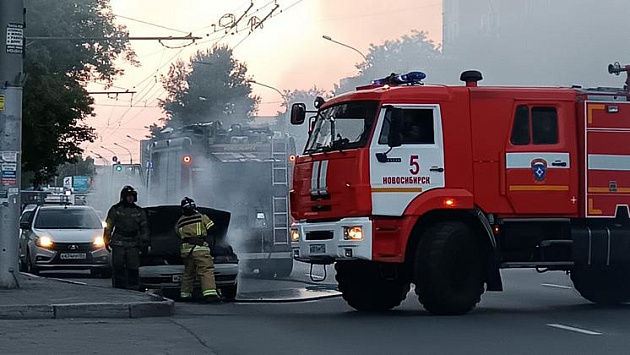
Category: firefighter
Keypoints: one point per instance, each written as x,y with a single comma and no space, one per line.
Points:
125,235
194,227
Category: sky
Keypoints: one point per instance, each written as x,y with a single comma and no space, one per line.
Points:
287,53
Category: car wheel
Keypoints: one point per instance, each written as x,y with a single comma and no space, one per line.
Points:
22,265
229,292
30,268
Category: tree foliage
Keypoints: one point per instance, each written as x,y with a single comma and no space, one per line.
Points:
409,53
56,103
299,133
82,167
211,86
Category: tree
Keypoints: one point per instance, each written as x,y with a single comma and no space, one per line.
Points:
409,53
300,133
82,167
56,103
212,86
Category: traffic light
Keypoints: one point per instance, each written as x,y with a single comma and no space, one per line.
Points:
187,159
118,168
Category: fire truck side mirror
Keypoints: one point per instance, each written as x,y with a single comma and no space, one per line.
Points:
394,137
298,113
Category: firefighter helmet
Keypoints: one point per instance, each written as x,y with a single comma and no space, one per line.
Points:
188,206
128,190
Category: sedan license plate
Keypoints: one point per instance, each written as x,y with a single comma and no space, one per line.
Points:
176,278
318,248
72,256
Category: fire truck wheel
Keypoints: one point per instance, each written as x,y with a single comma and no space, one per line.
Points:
448,269
365,288
603,286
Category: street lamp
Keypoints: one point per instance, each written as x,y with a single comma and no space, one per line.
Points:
345,45
113,153
284,98
100,157
133,139
128,151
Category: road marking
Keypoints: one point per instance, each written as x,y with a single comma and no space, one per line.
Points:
578,330
557,286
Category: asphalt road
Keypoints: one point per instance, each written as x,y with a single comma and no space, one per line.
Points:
299,279
538,313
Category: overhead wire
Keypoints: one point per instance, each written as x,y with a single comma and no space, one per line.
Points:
151,24
148,89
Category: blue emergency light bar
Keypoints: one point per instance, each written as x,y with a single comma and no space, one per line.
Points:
414,77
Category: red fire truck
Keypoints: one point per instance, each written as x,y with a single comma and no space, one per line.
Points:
442,186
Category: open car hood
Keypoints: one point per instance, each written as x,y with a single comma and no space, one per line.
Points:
165,243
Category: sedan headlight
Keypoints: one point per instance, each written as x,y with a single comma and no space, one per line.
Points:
99,241
295,235
352,233
44,242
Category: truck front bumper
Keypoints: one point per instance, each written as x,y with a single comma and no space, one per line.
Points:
327,242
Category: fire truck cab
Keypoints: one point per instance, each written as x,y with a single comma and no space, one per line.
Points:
441,186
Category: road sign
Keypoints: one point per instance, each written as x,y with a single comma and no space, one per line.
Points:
15,38
67,182
80,183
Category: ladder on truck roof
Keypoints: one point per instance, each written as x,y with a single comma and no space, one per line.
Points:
280,177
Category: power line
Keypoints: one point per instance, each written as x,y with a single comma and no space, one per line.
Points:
151,24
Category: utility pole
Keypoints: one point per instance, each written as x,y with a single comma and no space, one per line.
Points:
11,82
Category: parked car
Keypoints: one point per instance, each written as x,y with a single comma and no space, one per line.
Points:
162,267
62,237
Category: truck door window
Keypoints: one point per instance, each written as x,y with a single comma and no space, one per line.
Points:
545,125
520,130
417,127
543,129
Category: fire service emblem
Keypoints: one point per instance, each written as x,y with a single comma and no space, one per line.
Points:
539,168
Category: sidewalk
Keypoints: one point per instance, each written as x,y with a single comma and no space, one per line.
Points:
43,298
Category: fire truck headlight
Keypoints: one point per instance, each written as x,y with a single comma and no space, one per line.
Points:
295,235
353,233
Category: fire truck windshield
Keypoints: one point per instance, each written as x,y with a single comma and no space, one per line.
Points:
343,126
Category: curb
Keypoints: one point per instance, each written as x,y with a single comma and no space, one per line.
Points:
159,307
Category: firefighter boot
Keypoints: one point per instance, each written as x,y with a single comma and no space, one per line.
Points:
211,296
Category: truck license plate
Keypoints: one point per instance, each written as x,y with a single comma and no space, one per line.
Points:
318,248
72,256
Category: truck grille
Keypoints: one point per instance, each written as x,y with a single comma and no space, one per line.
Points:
319,235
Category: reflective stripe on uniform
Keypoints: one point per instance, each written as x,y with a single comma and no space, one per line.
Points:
185,295
209,225
210,293
186,249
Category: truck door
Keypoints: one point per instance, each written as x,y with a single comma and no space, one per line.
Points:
540,160
411,169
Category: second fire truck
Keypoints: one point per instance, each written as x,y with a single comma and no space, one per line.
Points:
242,169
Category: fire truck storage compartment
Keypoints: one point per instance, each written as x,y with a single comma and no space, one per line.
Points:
607,157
